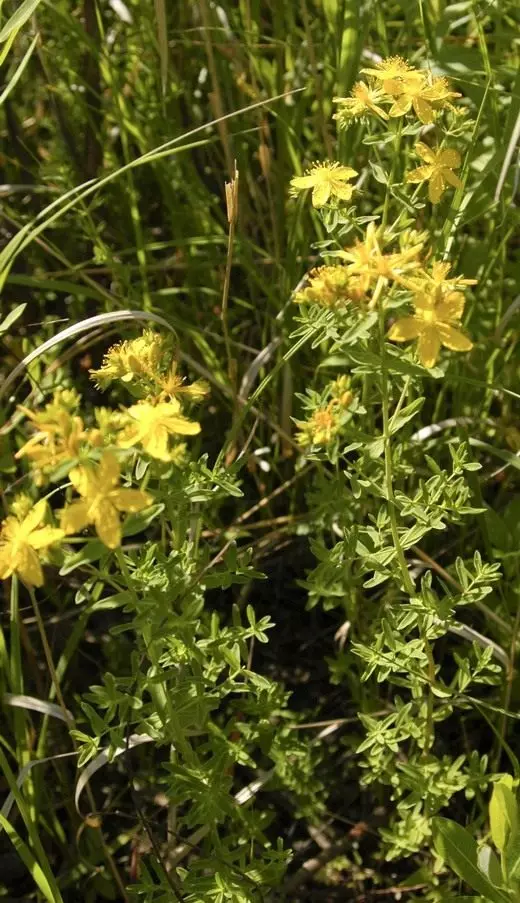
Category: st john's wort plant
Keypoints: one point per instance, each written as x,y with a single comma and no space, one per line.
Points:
386,308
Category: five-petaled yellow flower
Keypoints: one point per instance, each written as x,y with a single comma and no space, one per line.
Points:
327,180
434,323
152,425
363,99
438,171
421,93
102,500
20,542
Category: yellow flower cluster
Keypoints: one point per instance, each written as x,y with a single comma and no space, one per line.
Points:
326,422
436,297
62,444
393,82
157,417
332,287
59,435
131,360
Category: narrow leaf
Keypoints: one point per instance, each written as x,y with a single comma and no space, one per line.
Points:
18,19
459,850
12,317
28,859
13,81
503,815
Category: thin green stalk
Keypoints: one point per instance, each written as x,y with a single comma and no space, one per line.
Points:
396,157
17,684
407,581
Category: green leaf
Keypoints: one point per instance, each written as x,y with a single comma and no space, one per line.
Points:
93,550
397,422
503,815
136,523
13,81
11,317
489,865
18,19
37,874
459,850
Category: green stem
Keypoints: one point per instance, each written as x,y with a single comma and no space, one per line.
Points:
407,581
395,162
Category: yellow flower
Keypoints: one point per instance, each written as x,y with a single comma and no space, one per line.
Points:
367,261
326,180
141,357
320,429
330,286
102,500
438,171
20,542
437,314
173,385
152,425
325,423
437,280
421,93
389,70
57,440
363,100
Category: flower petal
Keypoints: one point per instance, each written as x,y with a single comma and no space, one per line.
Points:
6,562
423,110
300,182
344,172
436,187
342,191
405,329
424,301
425,152
82,480
320,194
45,536
451,307
107,523
400,106
451,178
428,347
75,517
450,158
108,472
130,499
156,443
453,339
27,565
33,519
421,174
